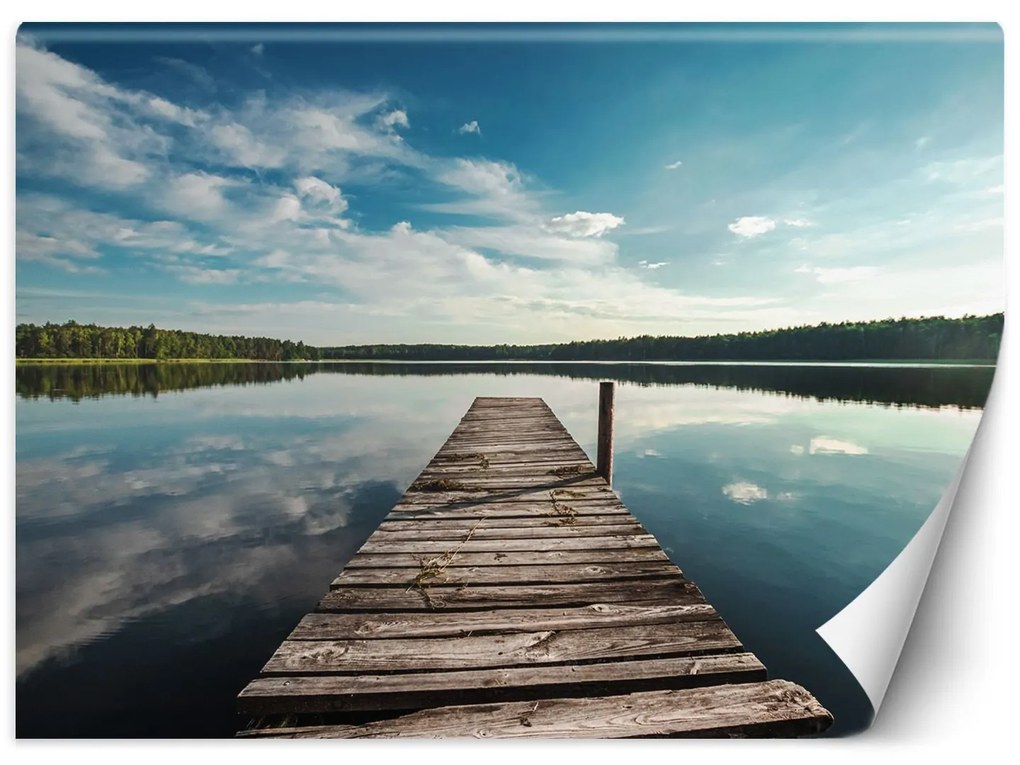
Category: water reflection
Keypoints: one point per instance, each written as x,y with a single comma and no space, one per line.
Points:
914,385
167,543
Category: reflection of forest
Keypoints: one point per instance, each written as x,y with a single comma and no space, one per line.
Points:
965,387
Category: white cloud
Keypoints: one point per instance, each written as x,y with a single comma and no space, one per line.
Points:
797,449
394,119
745,493
584,224
652,266
921,142
827,445
241,148
174,113
495,189
751,226
321,198
470,127
198,195
674,165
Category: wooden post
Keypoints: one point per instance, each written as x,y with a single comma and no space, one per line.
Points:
605,444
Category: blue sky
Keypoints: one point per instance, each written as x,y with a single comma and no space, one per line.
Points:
368,184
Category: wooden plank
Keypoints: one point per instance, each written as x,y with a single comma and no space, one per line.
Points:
506,575
671,591
461,623
303,657
492,494
460,525
347,693
386,544
597,504
501,511
534,531
533,471
770,708
527,558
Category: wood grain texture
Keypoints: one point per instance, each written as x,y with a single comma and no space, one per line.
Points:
771,708
470,576
335,626
511,593
387,544
673,590
345,693
318,657
527,558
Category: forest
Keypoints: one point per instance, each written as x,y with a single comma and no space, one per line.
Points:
88,341
930,338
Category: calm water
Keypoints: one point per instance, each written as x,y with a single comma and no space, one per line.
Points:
175,522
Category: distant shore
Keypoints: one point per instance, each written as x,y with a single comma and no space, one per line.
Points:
784,362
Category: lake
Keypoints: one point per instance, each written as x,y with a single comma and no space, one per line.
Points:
174,522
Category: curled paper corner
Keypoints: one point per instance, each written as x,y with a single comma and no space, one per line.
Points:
868,635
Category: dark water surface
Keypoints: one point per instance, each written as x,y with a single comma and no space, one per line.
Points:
174,522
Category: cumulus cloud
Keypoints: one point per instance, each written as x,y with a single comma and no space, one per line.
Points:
470,127
751,226
674,165
394,119
652,266
318,196
584,224
197,195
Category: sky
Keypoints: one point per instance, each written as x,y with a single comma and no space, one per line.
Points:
362,184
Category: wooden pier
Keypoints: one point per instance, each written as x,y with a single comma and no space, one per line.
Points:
509,593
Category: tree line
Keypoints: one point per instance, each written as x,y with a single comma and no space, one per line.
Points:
929,338
89,341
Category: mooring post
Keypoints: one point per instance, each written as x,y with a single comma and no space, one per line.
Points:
605,447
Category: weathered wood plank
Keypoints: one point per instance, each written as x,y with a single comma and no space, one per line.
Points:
345,693
297,657
506,575
671,591
770,708
495,494
386,544
495,527
545,472
500,511
527,558
461,623
535,531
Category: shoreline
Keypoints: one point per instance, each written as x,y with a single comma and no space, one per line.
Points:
679,362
